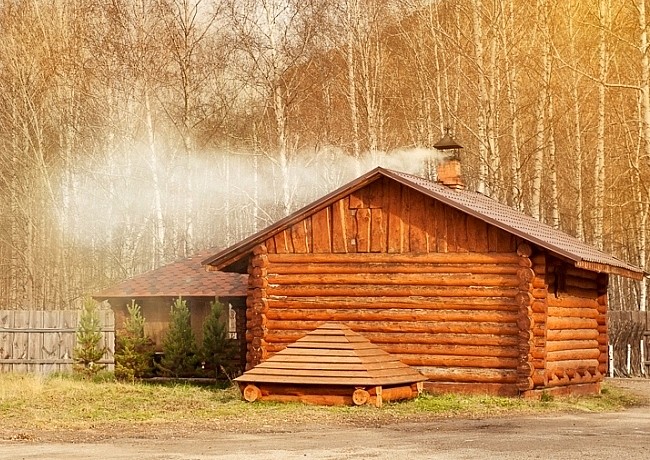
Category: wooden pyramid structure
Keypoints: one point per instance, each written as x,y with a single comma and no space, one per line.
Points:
331,365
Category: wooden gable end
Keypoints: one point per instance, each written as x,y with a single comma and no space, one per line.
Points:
388,217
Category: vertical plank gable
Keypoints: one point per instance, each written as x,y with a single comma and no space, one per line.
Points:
405,211
299,237
368,197
363,229
452,220
283,244
393,198
339,226
417,223
321,230
378,225
441,226
477,235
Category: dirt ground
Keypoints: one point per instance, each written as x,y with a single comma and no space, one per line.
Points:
557,436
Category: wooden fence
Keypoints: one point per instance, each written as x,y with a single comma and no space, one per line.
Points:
629,337
43,341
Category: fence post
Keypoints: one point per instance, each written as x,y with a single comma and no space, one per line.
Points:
628,361
642,354
610,370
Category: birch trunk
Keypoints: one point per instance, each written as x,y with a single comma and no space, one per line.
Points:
643,202
540,113
352,14
483,98
577,123
512,94
158,221
599,170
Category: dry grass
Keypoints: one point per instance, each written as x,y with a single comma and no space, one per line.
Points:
32,405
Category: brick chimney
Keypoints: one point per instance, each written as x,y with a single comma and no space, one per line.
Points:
448,172
448,169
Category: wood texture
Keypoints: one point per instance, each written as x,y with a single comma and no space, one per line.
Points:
39,341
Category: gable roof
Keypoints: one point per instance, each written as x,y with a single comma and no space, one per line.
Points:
333,354
472,203
186,277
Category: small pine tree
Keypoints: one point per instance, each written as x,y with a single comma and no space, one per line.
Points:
87,352
133,349
179,347
218,350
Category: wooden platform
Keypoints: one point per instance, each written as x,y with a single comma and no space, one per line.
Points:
332,361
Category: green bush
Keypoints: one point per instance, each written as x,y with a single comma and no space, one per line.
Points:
218,351
87,352
133,349
180,355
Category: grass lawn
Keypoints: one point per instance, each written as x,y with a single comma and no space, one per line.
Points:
64,403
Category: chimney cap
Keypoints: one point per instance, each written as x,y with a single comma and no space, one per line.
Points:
447,142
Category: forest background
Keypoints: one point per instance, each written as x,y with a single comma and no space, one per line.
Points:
135,132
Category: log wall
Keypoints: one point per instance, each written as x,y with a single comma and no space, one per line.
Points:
576,345
427,283
461,300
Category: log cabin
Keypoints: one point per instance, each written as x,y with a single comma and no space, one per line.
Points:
156,290
476,296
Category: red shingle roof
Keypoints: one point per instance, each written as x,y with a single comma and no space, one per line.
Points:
333,354
185,278
475,204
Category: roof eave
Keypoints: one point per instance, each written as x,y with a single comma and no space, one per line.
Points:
610,269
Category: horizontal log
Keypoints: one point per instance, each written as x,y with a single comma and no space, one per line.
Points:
525,262
571,334
565,301
538,306
524,299
525,274
575,312
389,291
319,400
539,378
540,294
398,393
403,326
581,273
400,279
572,364
538,354
402,338
574,354
424,303
538,318
388,268
416,360
395,314
409,258
453,350
571,345
468,375
582,283
457,361
554,323
539,283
